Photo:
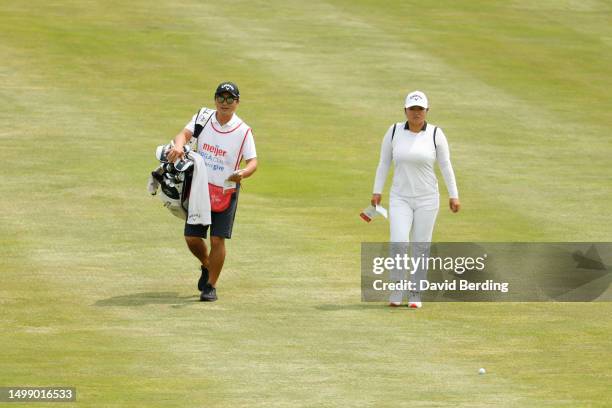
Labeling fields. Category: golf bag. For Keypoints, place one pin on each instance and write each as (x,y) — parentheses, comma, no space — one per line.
(173,180)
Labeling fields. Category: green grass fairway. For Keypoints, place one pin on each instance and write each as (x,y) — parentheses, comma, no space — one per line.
(98,288)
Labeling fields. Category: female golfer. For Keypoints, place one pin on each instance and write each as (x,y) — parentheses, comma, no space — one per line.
(414,199)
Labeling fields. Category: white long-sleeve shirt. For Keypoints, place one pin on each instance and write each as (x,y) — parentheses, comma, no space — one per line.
(413,156)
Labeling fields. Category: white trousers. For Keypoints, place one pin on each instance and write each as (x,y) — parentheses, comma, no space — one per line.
(412,221)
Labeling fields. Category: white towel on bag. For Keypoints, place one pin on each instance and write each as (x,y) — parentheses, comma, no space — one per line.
(199,200)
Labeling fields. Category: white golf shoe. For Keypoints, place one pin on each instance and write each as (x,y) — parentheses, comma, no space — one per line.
(414,300)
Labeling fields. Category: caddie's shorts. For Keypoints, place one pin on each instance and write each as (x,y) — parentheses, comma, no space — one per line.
(221,222)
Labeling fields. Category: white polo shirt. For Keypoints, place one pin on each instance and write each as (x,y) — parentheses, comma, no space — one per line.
(223,146)
(413,156)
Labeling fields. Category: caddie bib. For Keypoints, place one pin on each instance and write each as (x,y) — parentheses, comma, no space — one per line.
(221,150)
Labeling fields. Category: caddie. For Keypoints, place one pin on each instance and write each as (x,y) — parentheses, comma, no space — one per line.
(223,140)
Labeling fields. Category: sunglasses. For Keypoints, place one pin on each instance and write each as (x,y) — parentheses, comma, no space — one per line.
(228,99)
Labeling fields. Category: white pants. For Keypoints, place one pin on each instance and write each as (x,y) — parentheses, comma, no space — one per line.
(412,221)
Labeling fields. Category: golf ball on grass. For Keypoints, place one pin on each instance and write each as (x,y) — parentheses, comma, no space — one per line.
(482,371)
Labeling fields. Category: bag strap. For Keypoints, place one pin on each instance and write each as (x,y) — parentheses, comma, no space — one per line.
(197,129)
(434,138)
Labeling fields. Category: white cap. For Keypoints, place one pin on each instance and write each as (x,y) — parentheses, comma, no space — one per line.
(417,98)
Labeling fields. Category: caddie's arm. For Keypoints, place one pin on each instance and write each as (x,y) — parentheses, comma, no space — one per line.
(180,140)
(251,167)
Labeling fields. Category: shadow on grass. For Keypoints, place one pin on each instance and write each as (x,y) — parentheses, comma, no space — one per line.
(149,298)
(331,307)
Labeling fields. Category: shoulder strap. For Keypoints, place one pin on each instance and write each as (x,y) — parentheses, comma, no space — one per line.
(198,128)
(434,137)
(393,133)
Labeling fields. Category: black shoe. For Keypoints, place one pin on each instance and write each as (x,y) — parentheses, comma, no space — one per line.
(209,294)
(203,279)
